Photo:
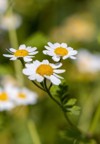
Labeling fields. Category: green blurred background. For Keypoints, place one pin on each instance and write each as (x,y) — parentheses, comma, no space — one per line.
(75,22)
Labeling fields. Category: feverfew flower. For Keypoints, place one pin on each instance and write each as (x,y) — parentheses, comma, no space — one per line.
(23,96)
(59,51)
(40,70)
(87,62)
(27,53)
(10,21)
(5,101)
(3,5)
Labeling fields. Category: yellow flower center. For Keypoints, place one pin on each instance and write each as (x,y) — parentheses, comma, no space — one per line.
(22,95)
(21,53)
(3,96)
(44,69)
(61,51)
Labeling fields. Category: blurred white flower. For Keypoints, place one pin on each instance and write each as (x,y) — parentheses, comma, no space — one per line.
(77,27)
(58,51)
(22,96)
(40,70)
(87,62)
(3,6)
(5,101)
(27,53)
(10,21)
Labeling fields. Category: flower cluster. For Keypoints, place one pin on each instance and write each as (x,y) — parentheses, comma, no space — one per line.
(40,71)
(11,96)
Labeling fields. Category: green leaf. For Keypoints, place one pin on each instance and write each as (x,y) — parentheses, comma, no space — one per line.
(71,102)
(62,93)
(75,110)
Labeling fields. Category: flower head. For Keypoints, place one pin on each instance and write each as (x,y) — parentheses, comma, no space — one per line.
(23,96)
(58,51)
(75,28)
(40,70)
(10,21)
(5,101)
(88,62)
(23,52)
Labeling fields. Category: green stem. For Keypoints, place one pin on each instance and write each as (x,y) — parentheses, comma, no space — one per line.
(95,120)
(47,90)
(60,105)
(33,132)
(38,85)
(50,86)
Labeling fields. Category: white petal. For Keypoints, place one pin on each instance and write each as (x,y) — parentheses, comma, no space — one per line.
(33,53)
(64,45)
(27,59)
(59,71)
(56,45)
(70,48)
(45,62)
(28,71)
(74,52)
(12,50)
(50,44)
(32,77)
(39,78)
(29,65)
(13,58)
(23,46)
(72,57)
(57,65)
(36,63)
(48,48)
(7,55)
(58,76)
(31,49)
(55,80)
(50,53)
(29,56)
(45,52)
(65,57)
(56,58)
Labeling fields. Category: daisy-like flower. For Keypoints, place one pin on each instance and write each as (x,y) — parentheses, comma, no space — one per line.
(88,62)
(40,70)
(23,96)
(27,53)
(59,51)
(9,22)
(5,101)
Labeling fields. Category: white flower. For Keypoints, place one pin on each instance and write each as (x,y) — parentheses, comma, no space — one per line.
(40,70)
(5,101)
(10,22)
(87,62)
(58,51)
(23,52)
(23,96)
(3,6)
